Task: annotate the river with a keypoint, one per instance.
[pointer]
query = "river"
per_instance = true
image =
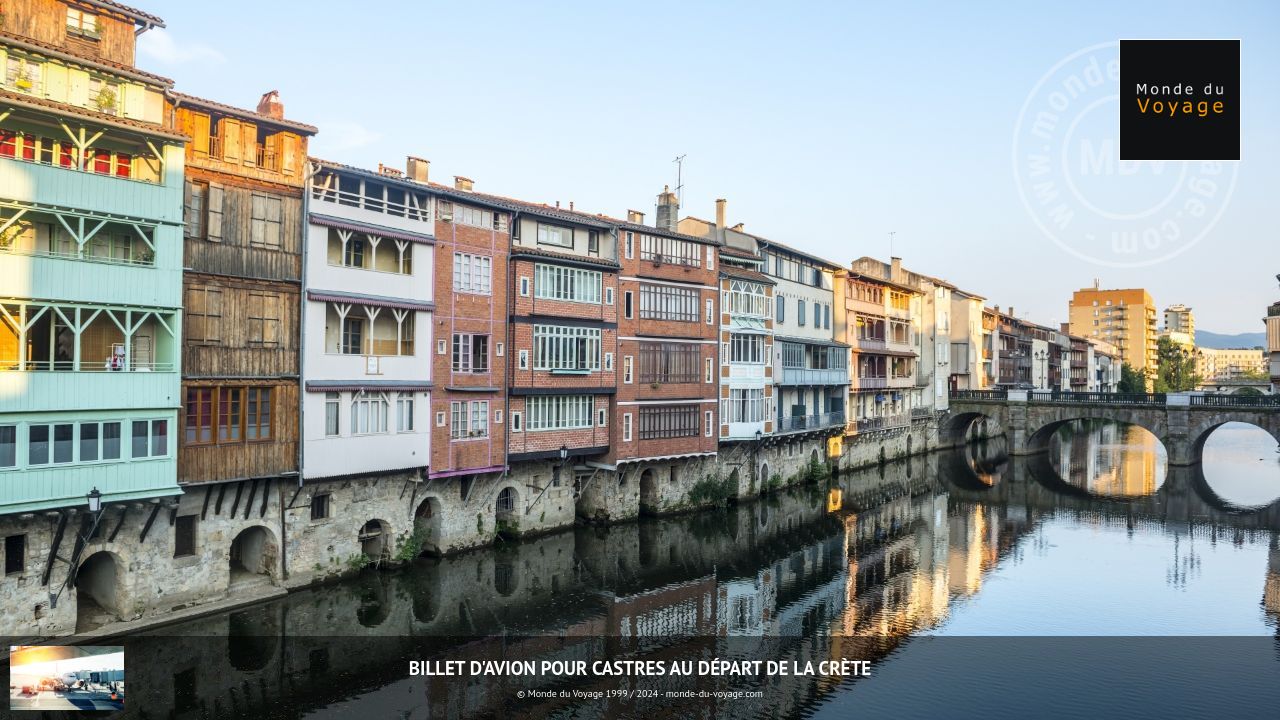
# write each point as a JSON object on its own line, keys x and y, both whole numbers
{"x": 1093, "y": 581}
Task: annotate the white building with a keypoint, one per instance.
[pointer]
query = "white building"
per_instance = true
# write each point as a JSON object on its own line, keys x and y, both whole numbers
{"x": 367, "y": 323}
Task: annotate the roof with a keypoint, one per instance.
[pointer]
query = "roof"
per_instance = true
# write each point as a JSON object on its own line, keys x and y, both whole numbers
{"x": 241, "y": 112}
{"x": 518, "y": 250}
{"x": 357, "y": 385}
{"x": 540, "y": 209}
{"x": 369, "y": 300}
{"x": 28, "y": 101}
{"x": 810, "y": 341}
{"x": 738, "y": 252}
{"x": 637, "y": 227}
{"x": 767, "y": 243}
{"x": 45, "y": 48}
{"x": 403, "y": 182}
{"x": 369, "y": 229}
{"x": 133, "y": 13}
{"x": 881, "y": 281}
{"x": 745, "y": 274}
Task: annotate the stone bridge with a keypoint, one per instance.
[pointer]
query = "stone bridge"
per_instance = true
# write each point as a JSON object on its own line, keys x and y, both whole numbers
{"x": 1181, "y": 422}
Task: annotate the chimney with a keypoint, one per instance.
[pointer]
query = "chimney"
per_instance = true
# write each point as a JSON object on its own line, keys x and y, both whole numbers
{"x": 668, "y": 210}
{"x": 570, "y": 206}
{"x": 721, "y": 205}
{"x": 895, "y": 269}
{"x": 416, "y": 168}
{"x": 271, "y": 106}
{"x": 635, "y": 216}
{"x": 1097, "y": 284}
{"x": 1011, "y": 313}
{"x": 462, "y": 183}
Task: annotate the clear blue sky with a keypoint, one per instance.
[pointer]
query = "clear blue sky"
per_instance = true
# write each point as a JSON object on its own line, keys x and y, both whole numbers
{"x": 825, "y": 125}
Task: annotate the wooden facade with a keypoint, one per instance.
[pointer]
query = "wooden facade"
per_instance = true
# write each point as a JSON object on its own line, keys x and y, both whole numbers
{"x": 244, "y": 225}
{"x": 108, "y": 34}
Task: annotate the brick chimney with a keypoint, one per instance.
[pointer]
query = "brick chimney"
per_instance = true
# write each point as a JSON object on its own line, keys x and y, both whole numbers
{"x": 668, "y": 210}
{"x": 721, "y": 211}
{"x": 635, "y": 216}
{"x": 417, "y": 169}
{"x": 271, "y": 106}
{"x": 462, "y": 183}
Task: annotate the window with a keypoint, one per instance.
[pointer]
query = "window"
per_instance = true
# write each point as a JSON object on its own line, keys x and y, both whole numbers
{"x": 668, "y": 421}
{"x": 608, "y": 361}
{"x": 524, "y": 287}
{"x": 709, "y": 370}
{"x": 8, "y": 446}
{"x": 669, "y": 250}
{"x": 81, "y": 23}
{"x": 257, "y": 424}
{"x": 353, "y": 252}
{"x": 404, "y": 412}
{"x": 523, "y": 360}
{"x": 559, "y": 412}
{"x": 746, "y": 349}
{"x": 561, "y": 348}
{"x": 332, "y": 406}
{"x": 15, "y": 554}
{"x": 63, "y": 443}
{"x": 711, "y": 258}
{"x": 602, "y": 417}
{"x": 782, "y": 309}
{"x": 264, "y": 320}
{"x": 626, "y": 305}
{"x": 792, "y": 355}
{"x": 264, "y": 222}
{"x": 669, "y": 362}
{"x": 199, "y": 430}
{"x": 708, "y": 423}
{"x": 517, "y": 422}
{"x": 320, "y": 506}
{"x": 662, "y": 302}
{"x": 204, "y": 315}
{"x": 608, "y": 296}
{"x": 626, "y": 368}
{"x": 473, "y": 216}
{"x": 469, "y": 419}
{"x": 800, "y": 313}
{"x": 184, "y": 536}
{"x": 369, "y": 414}
{"x": 745, "y": 298}
{"x": 626, "y": 427}
{"x": 38, "y": 445}
{"x": 230, "y": 414}
{"x": 553, "y": 282}
{"x": 593, "y": 242}
{"x": 629, "y": 249}
{"x": 554, "y": 235}
{"x": 470, "y": 353}
{"x": 352, "y": 335}
{"x": 111, "y": 441}
{"x": 197, "y": 201}
{"x": 440, "y": 419}
{"x": 472, "y": 273}
{"x": 745, "y": 405}
{"x": 150, "y": 438}
{"x": 497, "y": 416}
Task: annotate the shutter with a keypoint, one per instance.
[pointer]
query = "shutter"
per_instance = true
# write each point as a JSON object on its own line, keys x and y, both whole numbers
{"x": 271, "y": 327}
{"x": 188, "y": 216}
{"x": 214, "y": 230}
{"x": 249, "y": 146}
{"x": 133, "y": 101}
{"x": 273, "y": 221}
{"x": 229, "y": 131}
{"x": 77, "y": 87}
{"x": 198, "y": 129}
{"x": 55, "y": 82}
{"x": 288, "y": 153}
{"x": 257, "y": 220}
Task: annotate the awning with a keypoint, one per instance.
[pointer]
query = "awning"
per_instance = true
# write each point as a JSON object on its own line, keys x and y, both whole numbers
{"x": 369, "y": 229}
{"x": 890, "y": 353}
{"x": 371, "y": 385}
{"x": 370, "y": 300}
{"x": 749, "y": 326}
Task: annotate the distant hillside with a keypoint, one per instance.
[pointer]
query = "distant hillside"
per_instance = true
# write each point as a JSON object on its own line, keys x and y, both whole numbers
{"x": 1204, "y": 338}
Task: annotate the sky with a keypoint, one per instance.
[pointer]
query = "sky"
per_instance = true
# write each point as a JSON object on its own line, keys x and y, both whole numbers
{"x": 825, "y": 126}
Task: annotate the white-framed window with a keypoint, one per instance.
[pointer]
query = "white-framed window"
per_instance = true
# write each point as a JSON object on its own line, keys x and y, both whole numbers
{"x": 664, "y": 302}
{"x": 558, "y": 347}
{"x": 523, "y": 361}
{"x": 602, "y": 417}
{"x": 469, "y": 419}
{"x": 553, "y": 282}
{"x": 711, "y": 257}
{"x": 711, "y": 311}
{"x": 442, "y": 346}
{"x": 708, "y": 423}
{"x": 332, "y": 410}
{"x": 499, "y": 349}
{"x": 470, "y": 353}
{"x": 517, "y": 422}
{"x": 82, "y": 23}
{"x": 497, "y": 417}
{"x": 608, "y": 361}
{"x": 669, "y": 250}
{"x": 608, "y": 296}
{"x": 626, "y": 427}
{"x": 472, "y": 273}
{"x": 745, "y": 298}
{"x": 150, "y": 438}
{"x": 477, "y": 217}
{"x": 524, "y": 286}
{"x": 628, "y": 366}
{"x": 559, "y": 412}
{"x": 369, "y": 413}
{"x": 629, "y": 248}
{"x": 745, "y": 405}
{"x": 440, "y": 419}
{"x": 748, "y": 349}
{"x": 404, "y": 412}
{"x": 710, "y": 370}
{"x": 555, "y": 235}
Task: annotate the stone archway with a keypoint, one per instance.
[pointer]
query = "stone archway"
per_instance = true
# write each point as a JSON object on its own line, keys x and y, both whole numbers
{"x": 506, "y": 512}
{"x": 100, "y": 594}
{"x": 649, "y": 500}
{"x": 374, "y": 539}
{"x": 253, "y": 557}
{"x": 1199, "y": 435}
{"x": 427, "y": 522}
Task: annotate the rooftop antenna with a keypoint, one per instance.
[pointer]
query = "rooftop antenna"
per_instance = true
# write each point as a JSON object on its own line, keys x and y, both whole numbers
{"x": 891, "y": 234}
{"x": 679, "y": 161}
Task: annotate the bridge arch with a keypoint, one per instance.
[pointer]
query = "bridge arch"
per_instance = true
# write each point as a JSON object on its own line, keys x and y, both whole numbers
{"x": 1200, "y": 432}
{"x": 956, "y": 429}
{"x": 1043, "y": 422}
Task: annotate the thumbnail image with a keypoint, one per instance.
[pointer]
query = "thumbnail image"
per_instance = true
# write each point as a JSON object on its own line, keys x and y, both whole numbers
{"x": 66, "y": 677}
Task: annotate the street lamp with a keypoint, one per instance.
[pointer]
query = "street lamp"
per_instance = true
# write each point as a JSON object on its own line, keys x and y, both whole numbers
{"x": 564, "y": 453}
{"x": 94, "y": 497}
{"x": 95, "y": 501}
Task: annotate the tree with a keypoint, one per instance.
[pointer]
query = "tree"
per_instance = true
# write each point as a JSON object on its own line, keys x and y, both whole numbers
{"x": 1132, "y": 380}
{"x": 1176, "y": 367}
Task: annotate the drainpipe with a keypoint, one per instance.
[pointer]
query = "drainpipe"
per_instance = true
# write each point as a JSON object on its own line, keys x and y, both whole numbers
{"x": 511, "y": 352}
{"x": 302, "y": 360}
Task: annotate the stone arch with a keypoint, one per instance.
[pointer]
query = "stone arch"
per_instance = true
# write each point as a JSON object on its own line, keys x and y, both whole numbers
{"x": 762, "y": 478}
{"x": 506, "y": 577}
{"x": 649, "y": 492}
{"x": 1199, "y": 434}
{"x": 955, "y": 429}
{"x": 428, "y": 522}
{"x": 253, "y": 635}
{"x": 101, "y": 595}
{"x": 1043, "y": 423}
{"x": 506, "y": 507}
{"x": 373, "y": 602}
{"x": 375, "y": 540}
{"x": 254, "y": 553}
{"x": 814, "y": 458}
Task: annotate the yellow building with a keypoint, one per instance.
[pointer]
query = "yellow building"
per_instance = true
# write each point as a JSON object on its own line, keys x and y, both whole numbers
{"x": 1180, "y": 319}
{"x": 1125, "y": 318}
{"x": 1214, "y": 364}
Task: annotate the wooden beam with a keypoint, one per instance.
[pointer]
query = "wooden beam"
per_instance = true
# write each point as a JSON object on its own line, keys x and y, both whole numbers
{"x": 266, "y": 495}
{"x": 146, "y": 527}
{"x": 173, "y": 516}
{"x": 53, "y": 547}
{"x": 222, "y": 491}
{"x": 124, "y": 512}
{"x": 295, "y": 497}
{"x": 204, "y": 511}
{"x": 248, "y": 503}
{"x": 79, "y": 547}
{"x": 236, "y": 505}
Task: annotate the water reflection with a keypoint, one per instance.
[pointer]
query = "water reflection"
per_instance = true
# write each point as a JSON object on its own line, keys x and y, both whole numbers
{"x": 1109, "y": 459}
{"x": 1242, "y": 465}
{"x": 968, "y": 542}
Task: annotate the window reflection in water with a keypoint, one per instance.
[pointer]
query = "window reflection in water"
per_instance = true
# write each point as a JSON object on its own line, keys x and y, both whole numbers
{"x": 1108, "y": 458}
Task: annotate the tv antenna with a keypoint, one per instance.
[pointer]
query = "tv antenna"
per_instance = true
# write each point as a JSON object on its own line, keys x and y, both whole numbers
{"x": 891, "y": 234}
{"x": 679, "y": 161}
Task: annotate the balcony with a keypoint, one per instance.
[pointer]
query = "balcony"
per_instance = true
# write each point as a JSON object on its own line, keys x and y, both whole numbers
{"x": 744, "y": 371}
{"x": 800, "y": 423}
{"x": 886, "y": 422}
{"x": 27, "y": 182}
{"x": 869, "y": 383}
{"x": 814, "y": 376}
{"x": 88, "y": 391}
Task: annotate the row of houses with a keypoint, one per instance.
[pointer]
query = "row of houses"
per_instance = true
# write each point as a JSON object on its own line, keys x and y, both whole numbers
{"x": 229, "y": 367}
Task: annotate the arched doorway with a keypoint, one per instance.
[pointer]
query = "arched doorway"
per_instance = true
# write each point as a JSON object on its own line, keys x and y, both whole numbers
{"x": 504, "y": 511}
{"x": 253, "y": 556}
{"x": 648, "y": 492}
{"x": 99, "y": 591}
{"x": 426, "y": 523}
{"x": 373, "y": 541}
{"x": 763, "y": 480}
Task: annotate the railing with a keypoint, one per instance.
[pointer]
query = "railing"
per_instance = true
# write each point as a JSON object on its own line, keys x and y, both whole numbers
{"x": 810, "y": 422}
{"x": 979, "y": 394}
{"x": 815, "y": 376}
{"x": 1098, "y": 397}
{"x": 1236, "y": 400}
{"x": 887, "y": 422}
{"x": 918, "y": 414}
{"x": 105, "y": 366}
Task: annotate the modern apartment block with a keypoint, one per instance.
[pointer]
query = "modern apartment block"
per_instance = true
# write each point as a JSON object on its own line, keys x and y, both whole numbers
{"x": 1124, "y": 318}
{"x": 1231, "y": 363}
{"x": 1180, "y": 319}
{"x": 91, "y": 257}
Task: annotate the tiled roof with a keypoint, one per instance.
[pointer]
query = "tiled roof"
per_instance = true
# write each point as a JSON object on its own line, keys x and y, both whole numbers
{"x": 369, "y": 229}
{"x": 745, "y": 274}
{"x": 134, "y": 13}
{"x": 636, "y": 227}
{"x": 602, "y": 262}
{"x": 739, "y": 252}
{"x": 45, "y": 48}
{"x": 370, "y": 300}
{"x": 357, "y": 385}
{"x": 232, "y": 110}
{"x": 41, "y": 104}
{"x": 766, "y": 243}
{"x": 542, "y": 209}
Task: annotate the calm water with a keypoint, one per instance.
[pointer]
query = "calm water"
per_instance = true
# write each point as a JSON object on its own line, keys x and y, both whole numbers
{"x": 1092, "y": 581}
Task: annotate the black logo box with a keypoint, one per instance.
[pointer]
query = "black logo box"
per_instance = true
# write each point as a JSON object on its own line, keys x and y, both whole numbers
{"x": 1187, "y": 68}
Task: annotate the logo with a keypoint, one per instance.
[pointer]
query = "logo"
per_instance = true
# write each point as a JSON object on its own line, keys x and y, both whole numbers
{"x": 1087, "y": 198}
{"x": 1180, "y": 99}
